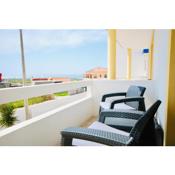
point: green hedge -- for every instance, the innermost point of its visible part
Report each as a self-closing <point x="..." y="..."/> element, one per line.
<point x="31" y="101"/>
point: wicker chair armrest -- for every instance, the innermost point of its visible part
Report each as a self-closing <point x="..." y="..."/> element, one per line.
<point x="112" y="95"/>
<point x="130" y="99"/>
<point x="94" y="135"/>
<point x="126" y="114"/>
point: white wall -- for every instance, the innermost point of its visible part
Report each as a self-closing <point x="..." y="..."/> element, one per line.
<point x="138" y="65"/>
<point x="137" y="40"/>
<point x="41" y="108"/>
<point x="44" y="130"/>
<point x="161" y="52"/>
<point x="121" y="63"/>
<point x="138" y="68"/>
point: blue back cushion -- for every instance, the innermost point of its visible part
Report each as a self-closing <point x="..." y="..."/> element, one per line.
<point x="134" y="91"/>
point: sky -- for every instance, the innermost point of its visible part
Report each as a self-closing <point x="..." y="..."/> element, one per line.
<point x="52" y="52"/>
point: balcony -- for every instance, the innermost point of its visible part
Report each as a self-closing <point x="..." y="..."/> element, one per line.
<point x="50" y="117"/>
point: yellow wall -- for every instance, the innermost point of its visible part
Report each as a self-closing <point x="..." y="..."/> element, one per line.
<point x="112" y="54"/>
<point x="150" y="62"/>
<point x="170" y="124"/>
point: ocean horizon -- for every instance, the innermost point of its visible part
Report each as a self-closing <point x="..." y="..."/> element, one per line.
<point x="72" y="76"/>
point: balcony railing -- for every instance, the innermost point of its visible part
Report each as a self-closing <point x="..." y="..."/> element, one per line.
<point x="44" y="128"/>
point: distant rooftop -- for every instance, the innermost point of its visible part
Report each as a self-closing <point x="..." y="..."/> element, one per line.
<point x="36" y="81"/>
<point x="97" y="70"/>
<point x="64" y="79"/>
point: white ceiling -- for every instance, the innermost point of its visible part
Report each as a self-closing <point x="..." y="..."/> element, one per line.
<point x="135" y="39"/>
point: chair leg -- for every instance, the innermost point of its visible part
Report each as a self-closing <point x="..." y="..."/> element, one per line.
<point x="66" y="141"/>
<point x="148" y="138"/>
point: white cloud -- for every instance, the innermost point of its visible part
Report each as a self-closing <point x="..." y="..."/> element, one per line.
<point x="41" y="39"/>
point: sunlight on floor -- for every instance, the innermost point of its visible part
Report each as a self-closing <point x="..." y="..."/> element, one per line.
<point x="88" y="122"/>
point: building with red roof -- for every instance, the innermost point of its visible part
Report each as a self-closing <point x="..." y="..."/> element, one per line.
<point x="96" y="73"/>
<point x="50" y="80"/>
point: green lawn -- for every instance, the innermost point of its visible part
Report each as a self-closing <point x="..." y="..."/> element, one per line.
<point x="31" y="101"/>
<point x="36" y="100"/>
<point x="65" y="93"/>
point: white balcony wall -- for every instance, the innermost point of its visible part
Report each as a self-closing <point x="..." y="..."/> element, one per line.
<point x="14" y="94"/>
<point x="44" y="130"/>
<point x="160" y="74"/>
<point x="41" y="108"/>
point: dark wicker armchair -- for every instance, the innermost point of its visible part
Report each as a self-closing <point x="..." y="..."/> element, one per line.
<point x="120" y="119"/>
<point x="141" y="134"/>
<point x="132" y="100"/>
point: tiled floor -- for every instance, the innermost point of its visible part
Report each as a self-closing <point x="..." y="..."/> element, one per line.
<point x="89" y="122"/>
